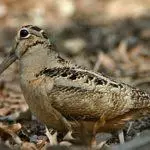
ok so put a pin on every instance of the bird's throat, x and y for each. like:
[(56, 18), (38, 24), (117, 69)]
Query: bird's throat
[(36, 59)]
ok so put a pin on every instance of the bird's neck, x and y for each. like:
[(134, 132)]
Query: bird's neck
[(36, 59)]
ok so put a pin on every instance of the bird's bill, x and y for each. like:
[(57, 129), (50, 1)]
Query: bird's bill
[(7, 61)]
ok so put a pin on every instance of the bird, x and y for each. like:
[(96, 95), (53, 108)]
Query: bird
[(67, 97)]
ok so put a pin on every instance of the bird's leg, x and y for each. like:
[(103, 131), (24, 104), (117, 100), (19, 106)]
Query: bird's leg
[(63, 120), (97, 125), (81, 136), (101, 122), (88, 138)]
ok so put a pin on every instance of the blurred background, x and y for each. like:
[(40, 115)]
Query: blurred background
[(108, 36)]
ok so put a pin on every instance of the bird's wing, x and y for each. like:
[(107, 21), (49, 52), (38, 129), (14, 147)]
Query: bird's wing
[(84, 95)]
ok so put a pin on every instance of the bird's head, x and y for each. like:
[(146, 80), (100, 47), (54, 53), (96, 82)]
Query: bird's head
[(26, 38)]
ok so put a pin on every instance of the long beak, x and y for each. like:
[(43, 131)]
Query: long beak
[(8, 61)]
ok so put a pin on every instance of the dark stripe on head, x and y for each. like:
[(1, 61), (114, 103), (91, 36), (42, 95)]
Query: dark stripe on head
[(36, 28)]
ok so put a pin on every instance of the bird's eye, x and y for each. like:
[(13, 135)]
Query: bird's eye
[(24, 33)]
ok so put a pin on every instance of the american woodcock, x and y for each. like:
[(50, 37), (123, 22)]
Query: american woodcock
[(67, 97)]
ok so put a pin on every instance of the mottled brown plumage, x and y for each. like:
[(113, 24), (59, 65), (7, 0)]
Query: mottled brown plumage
[(67, 97)]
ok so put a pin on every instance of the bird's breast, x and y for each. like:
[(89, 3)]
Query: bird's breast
[(35, 93)]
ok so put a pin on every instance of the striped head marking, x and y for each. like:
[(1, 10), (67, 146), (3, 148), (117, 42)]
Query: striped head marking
[(29, 30), (27, 37)]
